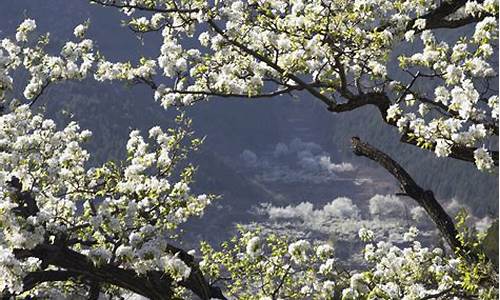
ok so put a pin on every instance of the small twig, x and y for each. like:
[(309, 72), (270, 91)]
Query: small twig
[(408, 87)]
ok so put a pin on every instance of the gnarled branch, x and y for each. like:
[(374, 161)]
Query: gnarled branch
[(424, 198), (437, 17), (77, 266), (382, 102), (154, 284)]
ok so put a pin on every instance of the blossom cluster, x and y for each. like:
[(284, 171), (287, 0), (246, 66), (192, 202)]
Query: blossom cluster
[(277, 268), (263, 266), (412, 272), (458, 113), (131, 226), (126, 214), (329, 48), (74, 61)]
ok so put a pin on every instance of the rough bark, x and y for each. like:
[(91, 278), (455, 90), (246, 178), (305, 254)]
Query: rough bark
[(382, 103), (437, 17), (78, 267), (154, 285), (424, 198)]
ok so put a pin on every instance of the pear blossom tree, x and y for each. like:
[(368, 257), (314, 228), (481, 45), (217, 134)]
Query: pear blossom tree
[(73, 231), (272, 267), (69, 230), (337, 52)]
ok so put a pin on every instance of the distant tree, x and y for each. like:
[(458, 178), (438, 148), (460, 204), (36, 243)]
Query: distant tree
[(73, 231)]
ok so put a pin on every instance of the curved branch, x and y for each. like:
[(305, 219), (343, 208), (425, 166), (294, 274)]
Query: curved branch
[(437, 17), (154, 284), (457, 152), (196, 281), (34, 278), (424, 198), (382, 102), (114, 4)]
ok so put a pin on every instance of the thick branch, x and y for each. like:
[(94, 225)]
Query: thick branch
[(457, 152), (33, 279), (437, 17), (196, 281), (423, 197), (382, 102), (154, 285)]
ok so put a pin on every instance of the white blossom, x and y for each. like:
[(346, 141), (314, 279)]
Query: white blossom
[(483, 159), (253, 248)]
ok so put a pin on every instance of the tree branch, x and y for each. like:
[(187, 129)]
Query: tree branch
[(196, 281), (457, 151), (34, 278), (115, 4), (424, 198), (382, 102), (437, 18), (327, 100), (154, 285)]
